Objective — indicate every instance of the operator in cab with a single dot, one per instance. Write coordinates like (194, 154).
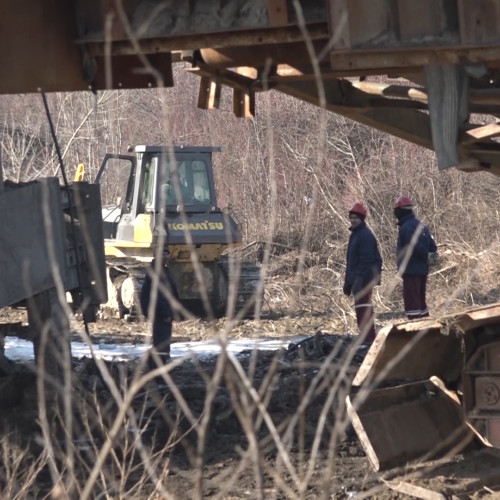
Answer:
(157, 298)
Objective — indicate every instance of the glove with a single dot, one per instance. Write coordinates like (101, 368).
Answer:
(433, 259)
(357, 286)
(347, 290)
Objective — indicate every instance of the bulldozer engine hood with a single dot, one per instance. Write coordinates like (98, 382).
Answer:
(213, 227)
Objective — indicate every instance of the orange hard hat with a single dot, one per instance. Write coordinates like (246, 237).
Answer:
(403, 202)
(359, 208)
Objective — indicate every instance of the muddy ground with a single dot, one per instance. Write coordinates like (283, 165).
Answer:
(268, 424)
(167, 429)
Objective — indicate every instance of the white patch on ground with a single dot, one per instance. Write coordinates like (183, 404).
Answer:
(22, 350)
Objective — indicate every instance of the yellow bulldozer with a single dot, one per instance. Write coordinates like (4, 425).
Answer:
(166, 194)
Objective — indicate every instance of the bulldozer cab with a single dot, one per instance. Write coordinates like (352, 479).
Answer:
(135, 188)
(157, 190)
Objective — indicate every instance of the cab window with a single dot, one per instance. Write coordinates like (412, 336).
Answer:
(148, 185)
(193, 183)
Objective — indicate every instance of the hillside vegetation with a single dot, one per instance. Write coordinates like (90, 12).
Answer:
(289, 176)
(260, 424)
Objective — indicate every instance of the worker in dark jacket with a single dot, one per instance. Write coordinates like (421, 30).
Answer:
(415, 242)
(363, 268)
(162, 315)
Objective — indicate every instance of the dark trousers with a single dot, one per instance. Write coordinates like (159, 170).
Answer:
(365, 316)
(414, 290)
(162, 335)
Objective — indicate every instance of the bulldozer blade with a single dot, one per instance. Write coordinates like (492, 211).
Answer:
(418, 350)
(416, 421)
(413, 351)
(425, 391)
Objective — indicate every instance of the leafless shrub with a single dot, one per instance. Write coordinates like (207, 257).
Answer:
(290, 175)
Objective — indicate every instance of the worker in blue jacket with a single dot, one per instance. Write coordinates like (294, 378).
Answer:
(162, 315)
(415, 243)
(363, 270)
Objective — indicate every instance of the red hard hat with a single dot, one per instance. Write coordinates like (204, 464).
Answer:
(403, 202)
(359, 208)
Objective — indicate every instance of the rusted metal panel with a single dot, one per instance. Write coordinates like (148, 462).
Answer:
(25, 262)
(400, 424)
(477, 317)
(479, 21)
(148, 19)
(481, 391)
(49, 60)
(102, 19)
(412, 351)
(421, 349)
(356, 23)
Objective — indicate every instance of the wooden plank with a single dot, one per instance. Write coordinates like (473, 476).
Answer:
(225, 77)
(371, 22)
(338, 24)
(278, 12)
(209, 93)
(243, 103)
(419, 20)
(410, 57)
(479, 21)
(480, 133)
(413, 421)
(407, 124)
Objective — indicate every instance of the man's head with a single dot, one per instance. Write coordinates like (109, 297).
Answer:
(403, 206)
(357, 214)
